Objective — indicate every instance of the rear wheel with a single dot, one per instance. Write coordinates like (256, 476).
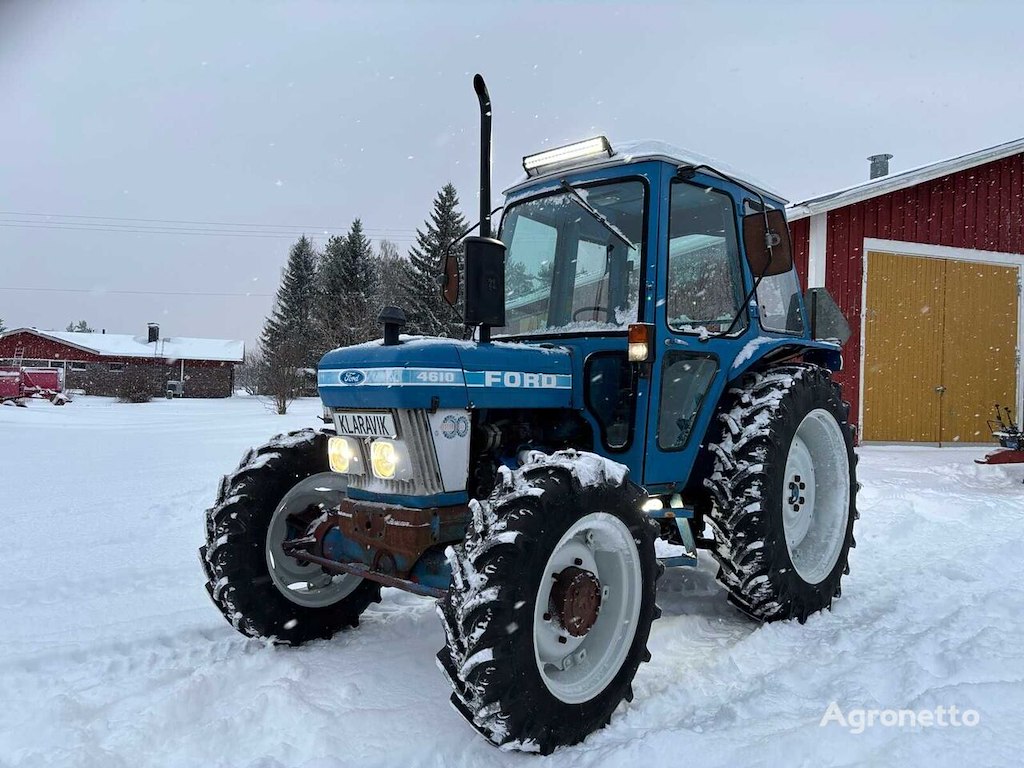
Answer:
(784, 486)
(277, 490)
(551, 603)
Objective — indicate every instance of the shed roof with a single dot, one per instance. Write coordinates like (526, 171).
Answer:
(901, 180)
(125, 345)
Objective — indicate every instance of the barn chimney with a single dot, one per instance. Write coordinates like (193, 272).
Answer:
(154, 332)
(879, 165)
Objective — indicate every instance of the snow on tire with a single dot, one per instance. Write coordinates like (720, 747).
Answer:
(551, 602)
(259, 590)
(784, 488)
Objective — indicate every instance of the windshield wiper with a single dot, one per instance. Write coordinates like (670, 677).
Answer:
(581, 201)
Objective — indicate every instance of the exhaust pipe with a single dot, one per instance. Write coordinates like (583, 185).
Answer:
(485, 154)
(485, 256)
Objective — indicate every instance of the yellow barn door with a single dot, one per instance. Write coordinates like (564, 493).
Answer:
(979, 349)
(940, 343)
(903, 348)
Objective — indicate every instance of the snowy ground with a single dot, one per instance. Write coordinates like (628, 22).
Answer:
(111, 654)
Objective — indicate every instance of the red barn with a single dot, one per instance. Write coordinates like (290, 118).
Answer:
(96, 363)
(926, 265)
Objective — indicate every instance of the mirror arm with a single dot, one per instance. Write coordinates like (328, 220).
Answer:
(453, 243)
(746, 300)
(469, 229)
(771, 239)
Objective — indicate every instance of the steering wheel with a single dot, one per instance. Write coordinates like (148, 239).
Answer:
(595, 308)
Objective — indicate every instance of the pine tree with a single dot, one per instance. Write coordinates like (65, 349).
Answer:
(393, 272)
(426, 310)
(365, 295)
(332, 288)
(2, 326)
(80, 327)
(348, 294)
(290, 325)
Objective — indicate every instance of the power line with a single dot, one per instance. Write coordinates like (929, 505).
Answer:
(209, 233)
(293, 227)
(72, 228)
(137, 292)
(82, 227)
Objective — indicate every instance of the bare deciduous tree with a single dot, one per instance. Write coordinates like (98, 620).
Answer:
(281, 373)
(248, 373)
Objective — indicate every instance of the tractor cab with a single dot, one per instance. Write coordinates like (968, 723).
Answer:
(661, 276)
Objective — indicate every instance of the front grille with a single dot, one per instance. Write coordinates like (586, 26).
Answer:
(414, 430)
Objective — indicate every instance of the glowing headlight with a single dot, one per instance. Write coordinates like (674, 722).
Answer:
(653, 504)
(389, 459)
(344, 457)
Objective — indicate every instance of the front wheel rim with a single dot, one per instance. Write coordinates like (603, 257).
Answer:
(305, 584)
(575, 669)
(816, 496)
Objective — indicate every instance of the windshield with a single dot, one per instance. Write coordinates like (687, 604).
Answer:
(566, 269)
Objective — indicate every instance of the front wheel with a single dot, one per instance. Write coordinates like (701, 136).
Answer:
(551, 602)
(277, 490)
(784, 488)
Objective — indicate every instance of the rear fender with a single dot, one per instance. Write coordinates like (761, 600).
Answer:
(823, 353)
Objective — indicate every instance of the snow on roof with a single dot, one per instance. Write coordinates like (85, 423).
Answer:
(125, 345)
(647, 149)
(892, 182)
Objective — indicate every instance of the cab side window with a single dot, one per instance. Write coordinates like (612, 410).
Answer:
(705, 288)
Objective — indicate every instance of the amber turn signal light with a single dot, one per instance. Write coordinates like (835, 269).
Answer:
(641, 342)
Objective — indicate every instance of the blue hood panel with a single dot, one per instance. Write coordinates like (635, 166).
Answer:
(460, 374)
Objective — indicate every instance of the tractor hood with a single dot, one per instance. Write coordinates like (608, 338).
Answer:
(445, 373)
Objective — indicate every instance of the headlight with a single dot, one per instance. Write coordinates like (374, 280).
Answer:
(653, 504)
(343, 454)
(390, 460)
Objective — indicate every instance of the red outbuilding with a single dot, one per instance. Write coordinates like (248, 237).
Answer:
(98, 363)
(926, 266)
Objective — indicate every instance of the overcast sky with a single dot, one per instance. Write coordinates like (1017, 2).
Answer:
(297, 117)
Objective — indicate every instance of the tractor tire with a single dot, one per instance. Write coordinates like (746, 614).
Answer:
(261, 591)
(785, 489)
(551, 602)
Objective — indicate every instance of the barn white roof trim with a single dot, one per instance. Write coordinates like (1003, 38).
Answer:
(901, 180)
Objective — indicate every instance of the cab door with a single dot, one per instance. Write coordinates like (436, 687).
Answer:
(700, 294)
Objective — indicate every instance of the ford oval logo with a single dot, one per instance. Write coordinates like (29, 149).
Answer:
(351, 377)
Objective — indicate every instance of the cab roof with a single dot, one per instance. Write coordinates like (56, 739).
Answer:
(627, 152)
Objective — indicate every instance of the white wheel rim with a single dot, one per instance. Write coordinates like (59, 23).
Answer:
(305, 584)
(576, 669)
(816, 496)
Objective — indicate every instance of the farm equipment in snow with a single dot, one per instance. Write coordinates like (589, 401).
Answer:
(18, 384)
(654, 372)
(1011, 439)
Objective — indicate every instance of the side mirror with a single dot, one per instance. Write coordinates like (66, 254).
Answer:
(485, 281)
(450, 287)
(827, 321)
(764, 261)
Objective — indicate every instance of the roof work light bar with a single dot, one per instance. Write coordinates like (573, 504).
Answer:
(534, 164)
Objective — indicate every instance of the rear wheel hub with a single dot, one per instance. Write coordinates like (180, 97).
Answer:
(576, 600)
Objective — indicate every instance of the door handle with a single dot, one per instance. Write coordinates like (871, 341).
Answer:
(940, 389)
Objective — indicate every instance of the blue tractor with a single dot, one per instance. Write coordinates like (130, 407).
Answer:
(643, 366)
